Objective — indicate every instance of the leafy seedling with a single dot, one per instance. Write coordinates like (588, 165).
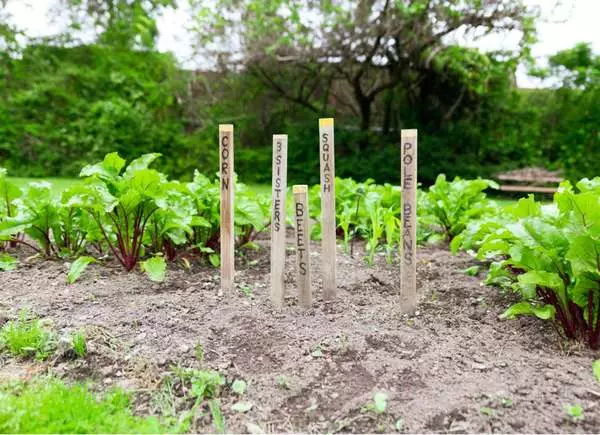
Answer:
(246, 290)
(238, 386)
(596, 369)
(575, 412)
(283, 382)
(379, 403)
(155, 268)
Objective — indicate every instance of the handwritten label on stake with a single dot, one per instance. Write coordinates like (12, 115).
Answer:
(408, 253)
(227, 191)
(279, 185)
(302, 244)
(328, 224)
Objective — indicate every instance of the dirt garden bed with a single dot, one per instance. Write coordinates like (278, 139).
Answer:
(450, 367)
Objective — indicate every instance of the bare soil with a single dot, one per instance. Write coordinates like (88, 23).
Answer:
(451, 367)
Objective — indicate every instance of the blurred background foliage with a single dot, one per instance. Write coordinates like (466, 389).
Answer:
(376, 66)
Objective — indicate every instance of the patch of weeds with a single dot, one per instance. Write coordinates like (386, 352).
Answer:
(47, 405)
(200, 384)
(378, 405)
(187, 393)
(574, 412)
(27, 337)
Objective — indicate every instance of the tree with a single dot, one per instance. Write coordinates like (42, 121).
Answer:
(123, 23)
(353, 51)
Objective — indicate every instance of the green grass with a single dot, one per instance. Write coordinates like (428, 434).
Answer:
(27, 337)
(47, 405)
(79, 344)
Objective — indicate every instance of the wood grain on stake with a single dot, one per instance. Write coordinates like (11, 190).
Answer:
(279, 185)
(408, 254)
(227, 189)
(302, 244)
(328, 225)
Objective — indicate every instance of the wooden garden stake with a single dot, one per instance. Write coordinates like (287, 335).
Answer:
(278, 215)
(328, 224)
(302, 244)
(408, 253)
(227, 190)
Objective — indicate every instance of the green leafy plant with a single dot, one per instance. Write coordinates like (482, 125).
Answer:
(77, 268)
(27, 336)
(379, 403)
(155, 268)
(574, 412)
(596, 369)
(452, 205)
(550, 254)
(121, 200)
(238, 386)
(282, 382)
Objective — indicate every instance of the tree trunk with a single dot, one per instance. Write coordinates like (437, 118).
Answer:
(365, 123)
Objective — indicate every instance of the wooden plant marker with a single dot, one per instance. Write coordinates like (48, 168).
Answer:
(328, 224)
(408, 252)
(278, 215)
(302, 244)
(227, 192)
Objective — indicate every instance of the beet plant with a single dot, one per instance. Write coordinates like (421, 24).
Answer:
(450, 206)
(9, 194)
(552, 256)
(121, 202)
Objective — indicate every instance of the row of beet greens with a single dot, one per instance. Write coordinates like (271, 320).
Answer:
(548, 254)
(130, 212)
(139, 217)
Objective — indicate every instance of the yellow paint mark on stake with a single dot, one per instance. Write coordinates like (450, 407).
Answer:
(326, 122)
